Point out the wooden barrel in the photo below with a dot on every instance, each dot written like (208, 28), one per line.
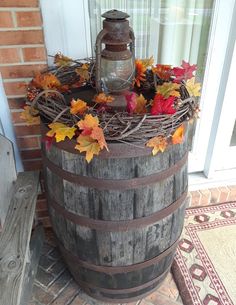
(117, 219)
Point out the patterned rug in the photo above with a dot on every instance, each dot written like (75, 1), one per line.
(205, 263)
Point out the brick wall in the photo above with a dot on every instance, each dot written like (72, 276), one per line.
(22, 54)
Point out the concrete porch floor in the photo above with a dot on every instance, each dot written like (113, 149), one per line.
(55, 286)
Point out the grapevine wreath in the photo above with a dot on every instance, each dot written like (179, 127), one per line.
(161, 100)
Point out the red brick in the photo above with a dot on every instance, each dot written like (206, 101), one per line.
(157, 299)
(41, 205)
(28, 19)
(6, 20)
(224, 193)
(27, 130)
(29, 142)
(206, 197)
(34, 54)
(31, 154)
(46, 222)
(9, 55)
(15, 88)
(32, 165)
(79, 301)
(195, 198)
(19, 3)
(215, 195)
(16, 103)
(21, 71)
(16, 117)
(21, 37)
(232, 194)
(42, 214)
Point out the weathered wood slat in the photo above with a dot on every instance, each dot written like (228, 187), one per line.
(7, 176)
(15, 237)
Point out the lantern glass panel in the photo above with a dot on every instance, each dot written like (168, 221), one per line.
(117, 75)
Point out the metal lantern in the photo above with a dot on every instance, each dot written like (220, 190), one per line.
(115, 61)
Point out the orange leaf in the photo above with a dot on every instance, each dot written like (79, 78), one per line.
(60, 131)
(103, 98)
(140, 72)
(88, 124)
(83, 72)
(46, 81)
(158, 143)
(89, 145)
(30, 115)
(178, 136)
(162, 71)
(97, 134)
(140, 105)
(61, 60)
(78, 106)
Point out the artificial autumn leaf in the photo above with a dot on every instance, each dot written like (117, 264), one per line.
(97, 134)
(162, 71)
(48, 142)
(30, 115)
(102, 98)
(178, 135)
(83, 72)
(78, 106)
(158, 143)
(46, 81)
(163, 106)
(87, 124)
(62, 61)
(141, 103)
(168, 89)
(192, 87)
(148, 62)
(60, 131)
(131, 102)
(139, 72)
(184, 72)
(89, 145)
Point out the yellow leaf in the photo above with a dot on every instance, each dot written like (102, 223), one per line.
(158, 143)
(178, 135)
(60, 131)
(192, 87)
(148, 62)
(168, 89)
(78, 106)
(89, 145)
(103, 98)
(61, 60)
(30, 115)
(88, 123)
(140, 105)
(83, 72)
(97, 134)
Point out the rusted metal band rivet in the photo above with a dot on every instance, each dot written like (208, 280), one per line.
(109, 184)
(117, 269)
(117, 226)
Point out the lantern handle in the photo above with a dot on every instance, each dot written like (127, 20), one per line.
(98, 47)
(132, 46)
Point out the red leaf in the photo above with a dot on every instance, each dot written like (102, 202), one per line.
(162, 105)
(131, 102)
(184, 72)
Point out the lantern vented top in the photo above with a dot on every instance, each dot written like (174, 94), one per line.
(115, 15)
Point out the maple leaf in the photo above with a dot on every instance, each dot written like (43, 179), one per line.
(163, 106)
(168, 89)
(162, 71)
(148, 62)
(60, 131)
(178, 135)
(184, 72)
(131, 102)
(89, 145)
(46, 81)
(61, 60)
(102, 98)
(87, 124)
(192, 87)
(78, 106)
(158, 143)
(30, 115)
(140, 107)
(97, 134)
(140, 70)
(83, 72)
